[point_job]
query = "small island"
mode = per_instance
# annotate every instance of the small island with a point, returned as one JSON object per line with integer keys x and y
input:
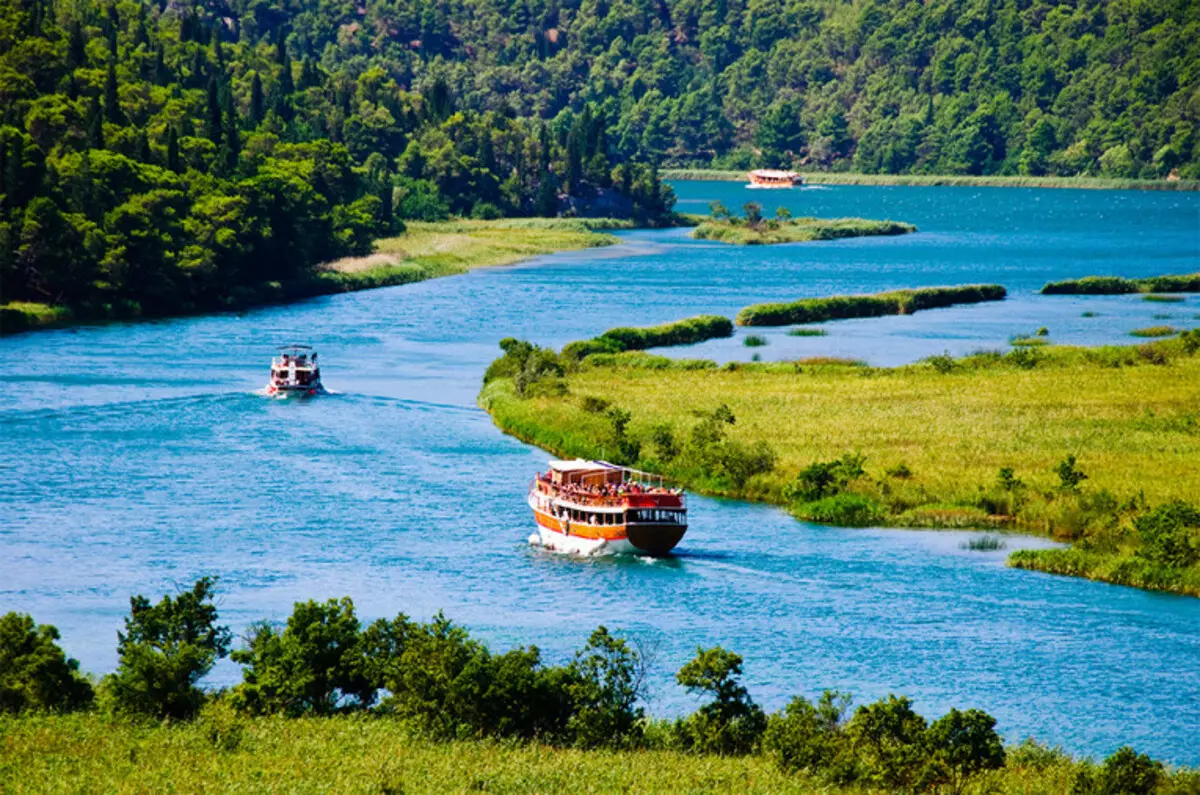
{"x": 753, "y": 229}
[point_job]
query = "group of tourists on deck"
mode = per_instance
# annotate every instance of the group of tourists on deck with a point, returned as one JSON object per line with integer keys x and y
{"x": 584, "y": 492}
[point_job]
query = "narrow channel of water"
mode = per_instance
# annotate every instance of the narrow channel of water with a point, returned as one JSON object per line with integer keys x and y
{"x": 138, "y": 456}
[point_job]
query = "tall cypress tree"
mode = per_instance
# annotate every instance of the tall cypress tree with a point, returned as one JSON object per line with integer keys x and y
{"x": 76, "y": 47}
{"x": 218, "y": 51}
{"x": 214, "y": 111}
{"x": 95, "y": 117}
{"x": 256, "y": 101}
{"x": 111, "y": 25}
{"x": 173, "y": 150}
{"x": 112, "y": 100}
{"x": 233, "y": 144}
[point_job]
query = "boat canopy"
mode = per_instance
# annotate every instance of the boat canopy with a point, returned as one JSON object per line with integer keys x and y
{"x": 598, "y": 472}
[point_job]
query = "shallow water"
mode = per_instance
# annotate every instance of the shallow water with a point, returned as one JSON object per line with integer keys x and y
{"x": 137, "y": 456}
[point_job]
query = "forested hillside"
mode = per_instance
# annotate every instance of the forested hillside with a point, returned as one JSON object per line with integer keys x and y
{"x": 154, "y": 156}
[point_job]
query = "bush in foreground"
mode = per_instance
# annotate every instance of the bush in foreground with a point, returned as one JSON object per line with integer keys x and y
{"x": 35, "y": 674}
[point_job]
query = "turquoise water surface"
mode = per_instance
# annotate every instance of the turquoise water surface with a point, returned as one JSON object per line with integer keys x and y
{"x": 136, "y": 457}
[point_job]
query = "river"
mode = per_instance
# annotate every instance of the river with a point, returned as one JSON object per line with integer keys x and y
{"x": 136, "y": 457}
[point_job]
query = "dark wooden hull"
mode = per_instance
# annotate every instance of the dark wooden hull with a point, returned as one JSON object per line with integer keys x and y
{"x": 655, "y": 539}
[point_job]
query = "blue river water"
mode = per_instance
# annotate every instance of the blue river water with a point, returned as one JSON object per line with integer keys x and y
{"x": 136, "y": 457}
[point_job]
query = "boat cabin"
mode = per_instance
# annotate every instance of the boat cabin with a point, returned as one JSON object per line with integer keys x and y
{"x": 295, "y": 366}
{"x": 772, "y": 178}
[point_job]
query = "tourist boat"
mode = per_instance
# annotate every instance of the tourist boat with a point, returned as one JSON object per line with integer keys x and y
{"x": 771, "y": 178}
{"x": 295, "y": 373}
{"x": 597, "y": 508}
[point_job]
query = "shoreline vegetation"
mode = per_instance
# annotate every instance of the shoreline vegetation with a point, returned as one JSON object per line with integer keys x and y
{"x": 327, "y": 698}
{"x": 842, "y": 307}
{"x": 795, "y": 230}
{"x": 944, "y": 180}
{"x": 425, "y": 250}
{"x": 1115, "y": 285}
{"x": 1091, "y": 446}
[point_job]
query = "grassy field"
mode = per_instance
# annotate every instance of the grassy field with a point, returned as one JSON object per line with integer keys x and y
{"x": 797, "y": 230}
{"x": 830, "y": 178}
{"x": 424, "y": 251}
{"x": 893, "y": 302}
{"x": 934, "y": 435}
{"x": 1115, "y": 285}
{"x": 84, "y": 753}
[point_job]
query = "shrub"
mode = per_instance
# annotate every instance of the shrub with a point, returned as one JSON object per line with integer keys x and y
{"x": 1191, "y": 341}
{"x": 824, "y": 478}
{"x": 888, "y": 737}
{"x": 754, "y": 341}
{"x": 315, "y": 666}
{"x": 606, "y": 680}
{"x": 943, "y": 363}
{"x": 663, "y": 439}
{"x": 727, "y": 459}
{"x": 729, "y": 724}
{"x": 593, "y": 404}
{"x": 1126, "y": 772}
{"x": 1043, "y": 331}
{"x": 1069, "y": 475}
{"x": 1026, "y": 358}
{"x": 901, "y": 471}
{"x": 35, "y": 673}
{"x": 1007, "y": 480}
{"x": 485, "y": 211}
{"x": 898, "y": 302}
{"x": 526, "y": 364}
{"x": 960, "y": 745}
{"x": 451, "y": 686}
{"x": 806, "y": 736}
{"x": 1170, "y": 534}
{"x": 845, "y": 510}
{"x": 163, "y": 652}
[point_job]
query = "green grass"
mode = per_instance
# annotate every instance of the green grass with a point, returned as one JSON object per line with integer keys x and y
{"x": 754, "y": 341}
{"x": 830, "y": 178}
{"x": 1027, "y": 342}
{"x": 896, "y": 302}
{"x": 1155, "y": 331}
{"x": 797, "y": 230}
{"x": 84, "y": 753}
{"x": 24, "y": 316}
{"x": 807, "y": 332}
{"x": 1115, "y": 285}
{"x": 1164, "y": 299}
{"x": 1129, "y": 414}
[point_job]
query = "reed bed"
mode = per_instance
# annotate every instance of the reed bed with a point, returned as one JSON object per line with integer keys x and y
{"x": 839, "y": 307}
{"x": 798, "y": 230}
{"x": 1155, "y": 331}
{"x": 1115, "y": 285}
{"x": 688, "y": 331}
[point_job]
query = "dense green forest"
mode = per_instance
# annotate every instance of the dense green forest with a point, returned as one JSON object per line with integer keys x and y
{"x": 154, "y": 157}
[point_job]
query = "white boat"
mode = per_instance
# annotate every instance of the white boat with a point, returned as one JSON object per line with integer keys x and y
{"x": 295, "y": 373}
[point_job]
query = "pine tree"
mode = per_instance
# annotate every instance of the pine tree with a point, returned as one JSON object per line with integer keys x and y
{"x": 142, "y": 147}
{"x": 233, "y": 144}
{"x": 218, "y": 51}
{"x": 111, "y": 26}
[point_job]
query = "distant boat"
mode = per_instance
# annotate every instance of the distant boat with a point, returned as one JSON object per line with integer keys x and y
{"x": 295, "y": 373}
{"x": 597, "y": 508}
{"x": 771, "y": 178}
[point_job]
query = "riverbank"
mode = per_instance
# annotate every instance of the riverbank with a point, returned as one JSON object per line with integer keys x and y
{"x": 962, "y": 181}
{"x": 796, "y": 230}
{"x": 87, "y": 753}
{"x": 1074, "y": 443}
{"x": 424, "y": 251}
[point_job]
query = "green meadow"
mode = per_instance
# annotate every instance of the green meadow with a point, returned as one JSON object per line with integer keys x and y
{"x": 1081, "y": 444}
{"x": 795, "y": 230}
